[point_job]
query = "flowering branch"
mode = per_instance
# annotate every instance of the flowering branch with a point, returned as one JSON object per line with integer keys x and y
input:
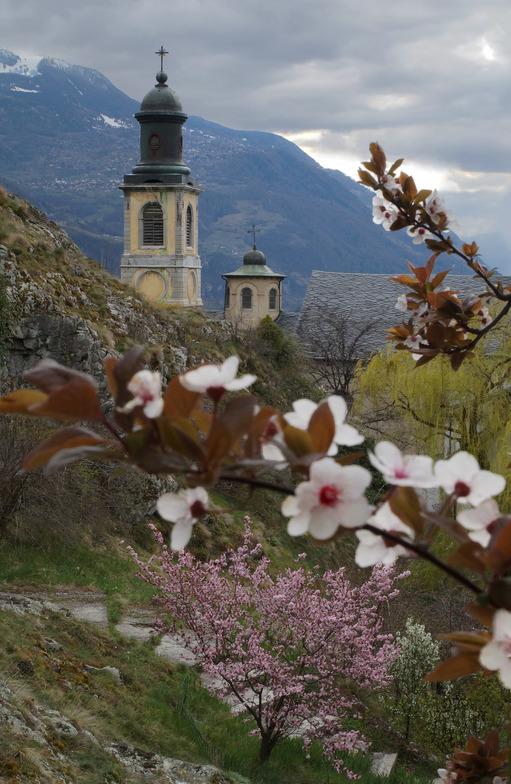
{"x": 439, "y": 321}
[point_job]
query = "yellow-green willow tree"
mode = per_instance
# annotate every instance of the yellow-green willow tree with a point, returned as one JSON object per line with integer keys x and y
{"x": 438, "y": 412}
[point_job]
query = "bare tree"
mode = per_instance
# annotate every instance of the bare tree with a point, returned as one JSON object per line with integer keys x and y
{"x": 336, "y": 342}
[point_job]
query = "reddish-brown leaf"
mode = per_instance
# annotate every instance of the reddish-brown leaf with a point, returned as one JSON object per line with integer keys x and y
{"x": 110, "y": 363}
{"x": 483, "y": 614}
{"x": 77, "y": 400}
{"x": 422, "y": 195}
{"x": 372, "y": 167}
{"x": 470, "y": 642}
{"x": 181, "y": 436}
{"x": 124, "y": 370}
{"x": 409, "y": 187}
{"x": 258, "y": 431}
{"x": 399, "y": 223}
{"x": 502, "y": 544}
{"x": 322, "y": 428}
{"x": 395, "y": 166}
{"x": 298, "y": 441}
{"x": 455, "y": 667}
{"x": 500, "y": 593}
{"x": 468, "y": 556}
{"x": 457, "y": 359}
{"x": 425, "y": 359}
{"x": 67, "y": 438}
{"x": 366, "y": 179}
{"x": 50, "y": 376}
{"x": 21, "y": 401}
{"x": 437, "y": 280}
{"x": 378, "y": 156}
{"x": 405, "y": 503}
{"x": 178, "y": 401}
{"x": 233, "y": 423}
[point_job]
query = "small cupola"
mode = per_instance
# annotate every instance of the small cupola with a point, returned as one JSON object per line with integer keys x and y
{"x": 253, "y": 291}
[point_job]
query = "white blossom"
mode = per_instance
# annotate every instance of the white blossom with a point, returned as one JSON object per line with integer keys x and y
{"x": 445, "y": 776}
{"x": 484, "y": 315}
{"x": 496, "y": 654}
{"x": 400, "y": 469}
{"x": 373, "y": 549}
{"x": 460, "y": 474}
{"x": 391, "y": 183}
{"x": 146, "y": 390}
{"x": 419, "y": 234}
{"x": 345, "y": 435}
{"x": 384, "y": 212}
{"x": 402, "y": 303}
{"x": 413, "y": 341}
{"x": 332, "y": 497}
{"x": 478, "y": 520}
{"x": 183, "y": 509}
{"x": 216, "y": 380}
{"x": 434, "y": 206}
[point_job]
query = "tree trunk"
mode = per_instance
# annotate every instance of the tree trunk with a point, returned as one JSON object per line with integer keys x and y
{"x": 268, "y": 742}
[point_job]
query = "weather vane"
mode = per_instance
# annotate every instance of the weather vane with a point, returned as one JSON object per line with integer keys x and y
{"x": 161, "y": 51}
{"x": 254, "y": 230}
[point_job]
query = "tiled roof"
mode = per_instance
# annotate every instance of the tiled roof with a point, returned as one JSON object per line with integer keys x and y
{"x": 287, "y": 321}
{"x": 254, "y": 271}
{"x": 359, "y": 299}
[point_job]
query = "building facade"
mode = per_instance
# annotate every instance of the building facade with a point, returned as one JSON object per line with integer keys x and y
{"x": 161, "y": 255}
{"x": 253, "y": 291}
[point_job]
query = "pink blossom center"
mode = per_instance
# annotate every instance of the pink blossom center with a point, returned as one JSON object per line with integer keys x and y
{"x": 461, "y": 489}
{"x": 197, "y": 509}
{"x": 401, "y": 472}
{"x": 271, "y": 431}
{"x": 491, "y": 526}
{"x": 329, "y": 495}
{"x": 146, "y": 396}
{"x": 216, "y": 393}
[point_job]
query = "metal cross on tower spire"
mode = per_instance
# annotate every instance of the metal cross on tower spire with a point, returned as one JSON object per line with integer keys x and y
{"x": 161, "y": 51}
{"x": 254, "y": 230}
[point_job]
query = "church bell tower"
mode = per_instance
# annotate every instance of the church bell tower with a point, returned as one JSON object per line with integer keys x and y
{"x": 161, "y": 256}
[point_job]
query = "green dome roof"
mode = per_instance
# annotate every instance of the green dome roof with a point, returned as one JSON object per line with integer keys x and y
{"x": 161, "y": 98}
{"x": 254, "y": 256}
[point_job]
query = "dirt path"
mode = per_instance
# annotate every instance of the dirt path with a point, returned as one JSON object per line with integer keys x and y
{"x": 90, "y": 606}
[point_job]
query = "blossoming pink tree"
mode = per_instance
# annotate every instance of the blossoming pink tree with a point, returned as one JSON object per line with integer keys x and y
{"x": 287, "y": 649}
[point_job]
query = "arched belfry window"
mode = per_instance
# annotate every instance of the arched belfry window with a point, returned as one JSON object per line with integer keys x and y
{"x": 246, "y": 298}
{"x": 272, "y": 299}
{"x": 152, "y": 224}
{"x": 189, "y": 226}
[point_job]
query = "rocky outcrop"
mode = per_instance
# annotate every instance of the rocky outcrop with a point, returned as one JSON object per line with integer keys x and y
{"x": 65, "y": 306}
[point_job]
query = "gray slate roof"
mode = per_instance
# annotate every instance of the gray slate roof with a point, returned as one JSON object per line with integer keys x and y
{"x": 357, "y": 299}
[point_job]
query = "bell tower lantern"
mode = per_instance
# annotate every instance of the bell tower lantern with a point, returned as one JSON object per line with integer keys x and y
{"x": 161, "y": 255}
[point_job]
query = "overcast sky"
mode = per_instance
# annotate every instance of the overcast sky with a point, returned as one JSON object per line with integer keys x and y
{"x": 431, "y": 81}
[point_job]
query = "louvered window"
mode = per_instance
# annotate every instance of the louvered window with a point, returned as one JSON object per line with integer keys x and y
{"x": 152, "y": 220}
{"x": 189, "y": 226}
{"x": 246, "y": 299}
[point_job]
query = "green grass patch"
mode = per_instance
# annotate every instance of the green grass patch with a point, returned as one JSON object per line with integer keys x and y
{"x": 108, "y": 568}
